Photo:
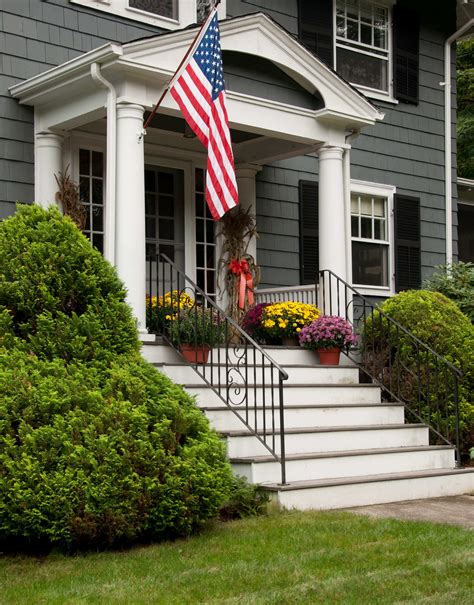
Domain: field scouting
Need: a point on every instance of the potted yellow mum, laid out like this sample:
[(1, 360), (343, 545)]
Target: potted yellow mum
[(285, 320)]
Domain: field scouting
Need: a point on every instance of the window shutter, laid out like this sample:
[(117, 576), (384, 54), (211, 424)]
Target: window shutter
[(406, 35), (309, 232), (315, 20), (407, 243)]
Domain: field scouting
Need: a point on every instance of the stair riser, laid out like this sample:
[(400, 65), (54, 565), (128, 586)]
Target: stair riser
[(380, 492), (305, 375), (281, 355), (160, 354), (326, 468), (332, 441), (226, 420), (332, 395)]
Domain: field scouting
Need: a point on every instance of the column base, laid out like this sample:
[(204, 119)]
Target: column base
[(145, 337)]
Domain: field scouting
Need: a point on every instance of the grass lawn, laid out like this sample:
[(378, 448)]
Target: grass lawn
[(283, 558)]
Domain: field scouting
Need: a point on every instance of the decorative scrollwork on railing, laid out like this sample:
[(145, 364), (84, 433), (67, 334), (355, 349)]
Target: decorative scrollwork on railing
[(186, 315)]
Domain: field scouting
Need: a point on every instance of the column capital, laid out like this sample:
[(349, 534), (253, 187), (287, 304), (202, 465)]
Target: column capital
[(49, 136), (329, 152), (130, 110), (247, 170)]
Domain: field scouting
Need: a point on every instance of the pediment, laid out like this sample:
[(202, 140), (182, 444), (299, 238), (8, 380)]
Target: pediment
[(258, 37)]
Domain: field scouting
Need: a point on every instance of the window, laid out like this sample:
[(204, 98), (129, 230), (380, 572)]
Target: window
[(162, 8), (166, 14), (205, 239), (371, 235), (91, 189), (362, 44)]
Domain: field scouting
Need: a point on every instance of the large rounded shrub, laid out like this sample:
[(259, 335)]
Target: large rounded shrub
[(437, 322), (98, 448)]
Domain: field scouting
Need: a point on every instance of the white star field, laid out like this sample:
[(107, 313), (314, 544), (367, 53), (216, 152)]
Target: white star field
[(209, 57)]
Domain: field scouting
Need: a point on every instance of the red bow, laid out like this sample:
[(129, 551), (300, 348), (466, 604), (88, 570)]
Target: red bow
[(246, 286)]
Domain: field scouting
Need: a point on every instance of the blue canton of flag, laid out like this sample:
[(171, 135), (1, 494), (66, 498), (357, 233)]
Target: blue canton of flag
[(200, 93)]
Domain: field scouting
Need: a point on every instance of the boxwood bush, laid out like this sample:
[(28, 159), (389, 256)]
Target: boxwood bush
[(439, 323), (99, 449)]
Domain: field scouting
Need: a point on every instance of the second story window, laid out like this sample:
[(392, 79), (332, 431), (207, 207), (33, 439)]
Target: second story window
[(162, 8), (362, 43)]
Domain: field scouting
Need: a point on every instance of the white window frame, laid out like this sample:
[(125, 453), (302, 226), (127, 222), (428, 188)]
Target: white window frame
[(372, 92), (387, 192), (186, 12)]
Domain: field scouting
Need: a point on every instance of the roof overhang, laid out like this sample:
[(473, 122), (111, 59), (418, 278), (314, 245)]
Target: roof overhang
[(67, 95)]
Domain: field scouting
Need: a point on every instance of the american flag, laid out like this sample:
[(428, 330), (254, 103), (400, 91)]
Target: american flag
[(200, 93)]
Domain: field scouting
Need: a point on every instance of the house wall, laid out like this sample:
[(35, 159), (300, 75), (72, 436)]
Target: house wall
[(405, 150), (53, 32)]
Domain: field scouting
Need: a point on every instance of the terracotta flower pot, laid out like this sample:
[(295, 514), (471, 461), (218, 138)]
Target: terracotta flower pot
[(329, 357), (195, 354)]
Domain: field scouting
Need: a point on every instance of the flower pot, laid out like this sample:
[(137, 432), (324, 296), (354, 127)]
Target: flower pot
[(290, 341), (329, 357), (195, 354)]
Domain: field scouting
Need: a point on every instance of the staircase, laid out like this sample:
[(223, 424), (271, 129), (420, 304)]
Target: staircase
[(344, 446)]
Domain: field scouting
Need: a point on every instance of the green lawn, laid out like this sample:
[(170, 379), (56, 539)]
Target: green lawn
[(284, 558)]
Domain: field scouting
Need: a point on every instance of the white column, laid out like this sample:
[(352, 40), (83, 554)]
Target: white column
[(48, 163), (130, 208), (246, 184), (332, 229)]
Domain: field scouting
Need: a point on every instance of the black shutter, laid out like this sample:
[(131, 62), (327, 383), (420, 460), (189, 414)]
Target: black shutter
[(406, 35), (407, 243), (309, 232), (315, 19)]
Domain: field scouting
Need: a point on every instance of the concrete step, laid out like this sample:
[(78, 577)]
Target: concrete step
[(160, 353), (372, 489), (247, 374), (293, 394), (282, 355), (224, 419), (299, 467), (242, 444)]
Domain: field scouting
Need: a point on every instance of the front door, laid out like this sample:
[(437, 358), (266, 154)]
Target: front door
[(164, 216)]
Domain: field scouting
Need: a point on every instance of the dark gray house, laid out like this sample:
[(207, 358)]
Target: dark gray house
[(342, 114)]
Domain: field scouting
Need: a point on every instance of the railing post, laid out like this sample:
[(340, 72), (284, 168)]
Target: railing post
[(282, 432), (456, 421)]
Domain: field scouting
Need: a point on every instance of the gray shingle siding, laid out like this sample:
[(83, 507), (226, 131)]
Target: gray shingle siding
[(405, 150), (54, 31)]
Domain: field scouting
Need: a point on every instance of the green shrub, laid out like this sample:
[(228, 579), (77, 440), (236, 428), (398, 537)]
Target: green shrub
[(64, 300), (457, 283), (98, 448), (439, 323), (245, 500)]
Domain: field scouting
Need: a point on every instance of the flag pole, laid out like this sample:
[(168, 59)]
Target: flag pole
[(168, 85)]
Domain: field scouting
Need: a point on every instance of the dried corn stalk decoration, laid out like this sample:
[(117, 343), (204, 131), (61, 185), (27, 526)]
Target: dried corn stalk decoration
[(236, 229), (68, 196)]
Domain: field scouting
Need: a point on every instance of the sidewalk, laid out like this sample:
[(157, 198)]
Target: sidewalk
[(455, 510)]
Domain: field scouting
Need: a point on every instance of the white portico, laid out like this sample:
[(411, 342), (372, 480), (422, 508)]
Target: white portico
[(103, 96)]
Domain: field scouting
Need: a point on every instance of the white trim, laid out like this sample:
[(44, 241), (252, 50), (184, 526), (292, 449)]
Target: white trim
[(388, 192), (186, 12)]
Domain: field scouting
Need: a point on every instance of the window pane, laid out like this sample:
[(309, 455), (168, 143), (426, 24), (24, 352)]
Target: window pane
[(166, 229), (353, 8), (341, 27), (98, 242), (369, 264), (379, 206), (210, 256), (355, 226), (200, 279), (97, 163), (84, 190), (164, 8), (199, 179), (150, 181), (200, 255), (97, 218), (84, 166), (210, 232), (150, 227), (199, 230), (150, 249), (366, 205), (168, 250), (166, 206), (366, 227), (380, 38), (366, 12), (97, 191), (355, 204), (379, 229), (365, 34), (362, 69), (200, 211), (352, 32), (165, 182), (150, 207)]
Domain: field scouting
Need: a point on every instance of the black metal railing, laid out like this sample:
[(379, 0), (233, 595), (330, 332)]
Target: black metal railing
[(238, 370), (406, 369)]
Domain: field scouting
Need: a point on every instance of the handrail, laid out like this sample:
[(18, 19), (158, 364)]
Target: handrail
[(244, 376), (422, 383)]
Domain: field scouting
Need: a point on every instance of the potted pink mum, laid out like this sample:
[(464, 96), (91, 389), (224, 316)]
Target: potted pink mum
[(328, 335)]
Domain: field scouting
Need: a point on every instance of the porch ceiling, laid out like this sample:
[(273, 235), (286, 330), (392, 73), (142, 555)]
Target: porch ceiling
[(66, 97)]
